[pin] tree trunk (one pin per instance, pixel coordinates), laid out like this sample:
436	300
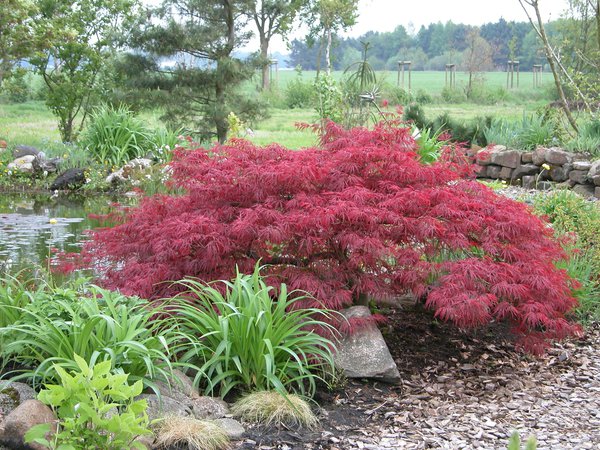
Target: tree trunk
598	22
220	115
550	57
266	63
328	51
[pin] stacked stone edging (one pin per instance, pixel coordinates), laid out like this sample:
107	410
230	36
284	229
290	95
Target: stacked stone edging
542	168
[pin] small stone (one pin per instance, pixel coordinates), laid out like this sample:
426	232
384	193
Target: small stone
558	156
525	169
506	158
232	427
585	190
164	406
527	158
597	192
209	408
506	173
528	182
578	176
560	173
493	171
23	164
582	165
25	150
538	157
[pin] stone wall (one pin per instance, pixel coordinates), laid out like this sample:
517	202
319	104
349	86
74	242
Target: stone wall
543	168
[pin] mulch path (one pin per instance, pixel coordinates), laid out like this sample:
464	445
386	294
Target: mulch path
459	391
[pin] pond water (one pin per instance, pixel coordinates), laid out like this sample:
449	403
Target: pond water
31	225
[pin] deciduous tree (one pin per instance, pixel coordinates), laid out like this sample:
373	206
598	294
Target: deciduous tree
16	33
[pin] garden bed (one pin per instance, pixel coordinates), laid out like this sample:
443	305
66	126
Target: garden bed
459	390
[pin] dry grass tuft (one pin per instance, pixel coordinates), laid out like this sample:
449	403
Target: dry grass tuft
271	408
196	434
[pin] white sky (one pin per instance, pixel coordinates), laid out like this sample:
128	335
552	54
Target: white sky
385	15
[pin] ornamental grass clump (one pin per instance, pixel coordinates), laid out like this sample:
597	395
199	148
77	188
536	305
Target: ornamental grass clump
243	335
271	408
359	217
190	433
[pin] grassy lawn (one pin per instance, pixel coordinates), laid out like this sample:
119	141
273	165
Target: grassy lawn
32	123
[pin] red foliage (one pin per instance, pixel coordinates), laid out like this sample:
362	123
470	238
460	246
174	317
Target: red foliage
359	216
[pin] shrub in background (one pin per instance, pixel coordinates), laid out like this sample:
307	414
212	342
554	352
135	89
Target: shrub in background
249	338
360	217
16	88
299	93
96	410
587	140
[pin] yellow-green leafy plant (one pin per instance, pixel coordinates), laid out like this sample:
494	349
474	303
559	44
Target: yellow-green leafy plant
96	409
515	442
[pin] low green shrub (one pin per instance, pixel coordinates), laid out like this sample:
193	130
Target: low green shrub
453	95
96	410
299	93
249	338
579	220
94	323
528	133
587	140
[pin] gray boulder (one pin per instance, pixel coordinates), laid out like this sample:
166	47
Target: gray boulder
493	171
164	406
560	173
578	176
12	394
524	169
506	158
594	173
71	179
41	164
209	408
364	354
582	165
538	157
25	150
232	427
585	190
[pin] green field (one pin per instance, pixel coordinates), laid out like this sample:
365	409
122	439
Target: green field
32	123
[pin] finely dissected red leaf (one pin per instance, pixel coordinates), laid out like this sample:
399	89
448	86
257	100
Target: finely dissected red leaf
358	216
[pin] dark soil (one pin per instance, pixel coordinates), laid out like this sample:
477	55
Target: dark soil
416	341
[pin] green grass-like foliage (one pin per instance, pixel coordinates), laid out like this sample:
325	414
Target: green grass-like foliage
249	338
115	136
525	134
578	219
96	410
587	139
48	325
270	408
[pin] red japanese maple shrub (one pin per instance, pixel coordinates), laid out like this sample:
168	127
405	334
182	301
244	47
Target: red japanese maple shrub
359	216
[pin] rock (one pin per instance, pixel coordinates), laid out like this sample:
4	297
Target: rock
524	169
71	179
25	150
43	165
493	171
594	173
582	165
125	172
538	157
23	164
528	182
180	387
12	394
545	185
585	190
527	158
558	156
209	408
3	144
484	157
560	173
232	427
165	406
578	176
480	171
364	353
506	158
506	173
597	192
18	422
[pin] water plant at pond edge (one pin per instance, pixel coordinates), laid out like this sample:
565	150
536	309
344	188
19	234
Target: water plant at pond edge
95	408
242	335
360	217
81	319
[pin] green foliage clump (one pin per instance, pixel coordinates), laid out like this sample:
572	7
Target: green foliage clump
96	410
329	99
453	95
578	219
50	324
16	88
248	338
115	136
587	139
528	133
299	93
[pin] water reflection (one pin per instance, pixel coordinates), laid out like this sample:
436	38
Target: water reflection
31	225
